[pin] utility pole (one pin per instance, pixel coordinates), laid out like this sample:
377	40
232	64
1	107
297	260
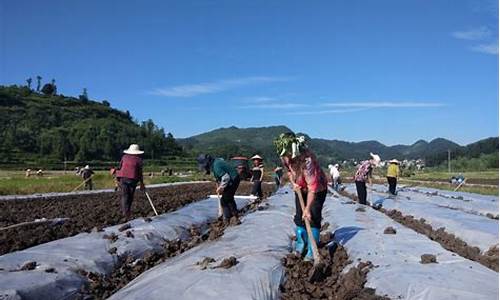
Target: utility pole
449	161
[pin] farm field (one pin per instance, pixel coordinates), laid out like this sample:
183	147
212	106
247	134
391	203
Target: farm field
370	254
15	182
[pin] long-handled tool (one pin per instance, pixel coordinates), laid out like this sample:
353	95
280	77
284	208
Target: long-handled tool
317	272
82	183
220	205
150	201
460	185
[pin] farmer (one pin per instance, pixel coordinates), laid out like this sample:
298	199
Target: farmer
393	175
363	174
87	174
257	176
278	174
335	175
227	179
307	178
129	173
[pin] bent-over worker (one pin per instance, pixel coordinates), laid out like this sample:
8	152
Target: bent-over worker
129	173
363	174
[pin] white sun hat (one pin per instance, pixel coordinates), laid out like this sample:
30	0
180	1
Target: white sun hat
376	158
133	149
256	157
87	167
394	161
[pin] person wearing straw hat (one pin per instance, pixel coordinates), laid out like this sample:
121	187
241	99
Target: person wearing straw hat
393	175
257	176
87	174
363	174
129	174
307	178
227	179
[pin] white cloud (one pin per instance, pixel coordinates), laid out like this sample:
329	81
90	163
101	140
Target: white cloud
323	112
191	90
382	104
473	34
486	48
276	105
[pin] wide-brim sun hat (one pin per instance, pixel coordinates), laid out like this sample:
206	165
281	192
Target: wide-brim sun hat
87	167
133	149
256	157
376	158
394	161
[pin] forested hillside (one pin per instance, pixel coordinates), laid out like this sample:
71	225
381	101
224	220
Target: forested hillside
44	126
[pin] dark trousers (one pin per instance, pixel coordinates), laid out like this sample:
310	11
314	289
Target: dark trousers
257	188
127	186
88	185
228	204
277	180
392	184
361	189
316	208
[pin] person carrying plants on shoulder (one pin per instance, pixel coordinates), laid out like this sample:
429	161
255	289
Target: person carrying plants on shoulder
307	178
257	176
87	174
363	174
227	179
393	175
335	175
129	174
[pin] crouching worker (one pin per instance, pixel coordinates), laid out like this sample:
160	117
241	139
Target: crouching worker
305	173
227	179
363	174
129	173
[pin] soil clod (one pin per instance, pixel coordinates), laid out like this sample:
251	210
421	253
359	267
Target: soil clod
124	227
361	209
205	262
227	263
390	230
428	259
31	265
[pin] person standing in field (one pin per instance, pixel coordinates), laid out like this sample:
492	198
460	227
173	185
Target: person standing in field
129	174
363	174
227	179
307	178
393	175
278	174
87	174
257	176
335	175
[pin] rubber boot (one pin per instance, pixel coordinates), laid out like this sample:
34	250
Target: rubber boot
301	241
309	255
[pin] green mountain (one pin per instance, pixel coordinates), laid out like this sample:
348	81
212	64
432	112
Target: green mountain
228	142
35	127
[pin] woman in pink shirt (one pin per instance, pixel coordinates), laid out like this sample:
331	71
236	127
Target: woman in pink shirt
307	177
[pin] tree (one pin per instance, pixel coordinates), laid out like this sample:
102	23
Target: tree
53	82
84	97
106	103
29	80
48	89
39	82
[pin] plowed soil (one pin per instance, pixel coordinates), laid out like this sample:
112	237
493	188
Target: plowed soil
86	212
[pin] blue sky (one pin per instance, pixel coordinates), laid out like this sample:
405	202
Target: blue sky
394	71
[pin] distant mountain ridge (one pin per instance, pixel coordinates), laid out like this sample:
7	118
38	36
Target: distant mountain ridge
227	142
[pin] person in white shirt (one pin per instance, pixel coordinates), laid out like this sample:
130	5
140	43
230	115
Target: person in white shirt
335	174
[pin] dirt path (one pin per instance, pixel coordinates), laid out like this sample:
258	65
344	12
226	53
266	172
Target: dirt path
335	285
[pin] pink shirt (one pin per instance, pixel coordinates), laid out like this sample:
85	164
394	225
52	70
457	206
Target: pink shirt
312	178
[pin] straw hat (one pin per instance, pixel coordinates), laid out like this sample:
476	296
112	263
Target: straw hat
256	157
87	167
133	149
394	161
